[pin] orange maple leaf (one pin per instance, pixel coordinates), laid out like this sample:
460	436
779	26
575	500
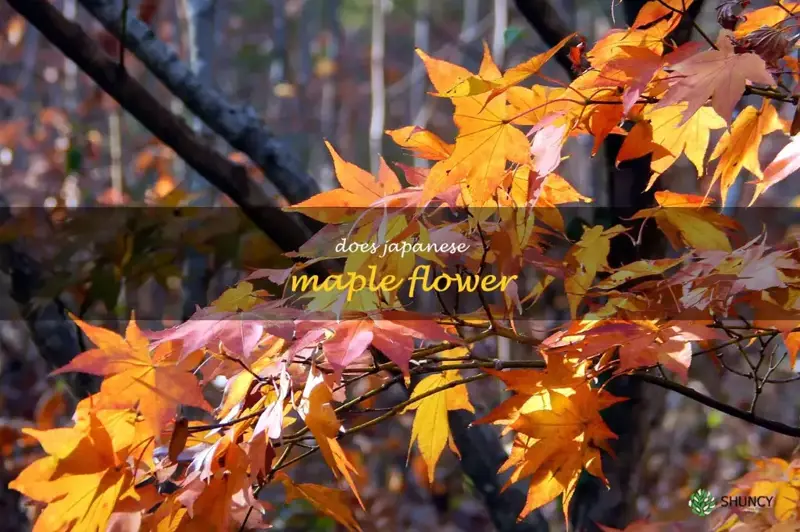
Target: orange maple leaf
360	189
317	411
156	383
82	480
560	431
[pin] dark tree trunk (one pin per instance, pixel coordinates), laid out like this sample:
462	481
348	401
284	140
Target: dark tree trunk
634	419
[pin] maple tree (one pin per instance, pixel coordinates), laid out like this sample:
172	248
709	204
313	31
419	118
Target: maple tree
148	451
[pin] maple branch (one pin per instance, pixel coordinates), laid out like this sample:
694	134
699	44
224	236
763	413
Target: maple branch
774	426
227	176
401	406
695	25
238	125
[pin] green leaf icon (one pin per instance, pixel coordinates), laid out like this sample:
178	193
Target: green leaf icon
702	502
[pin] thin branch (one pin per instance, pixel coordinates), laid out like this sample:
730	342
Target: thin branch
695	25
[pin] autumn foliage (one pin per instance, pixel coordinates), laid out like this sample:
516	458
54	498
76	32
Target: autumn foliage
296	365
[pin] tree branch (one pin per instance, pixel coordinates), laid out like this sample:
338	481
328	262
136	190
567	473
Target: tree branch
775	426
55	337
238	125
284	229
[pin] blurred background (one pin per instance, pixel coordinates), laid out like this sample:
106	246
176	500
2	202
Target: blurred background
341	70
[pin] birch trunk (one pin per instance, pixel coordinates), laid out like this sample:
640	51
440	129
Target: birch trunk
499	32
422	38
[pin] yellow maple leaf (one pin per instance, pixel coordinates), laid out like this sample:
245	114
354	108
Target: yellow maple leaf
773	477
431	428
738	148
475	85
560	432
685	219
486	140
690	137
329	501
614	42
584	259
82	479
423	143
360	189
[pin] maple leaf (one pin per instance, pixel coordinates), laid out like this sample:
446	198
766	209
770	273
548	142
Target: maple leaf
546	148
237	332
613	43
639	65
155	383
240	297
773	477
738	147
559	374
475	85
720	75
785	164
349	341
317	411
422	142
639	142
431	428
395	331
329	501
685	219
677	136
82	479
531	106
769	16
359	191
641	343
637	270
584	259
523	71
486	138
669	344
218	499
666	14
391	332
560	433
